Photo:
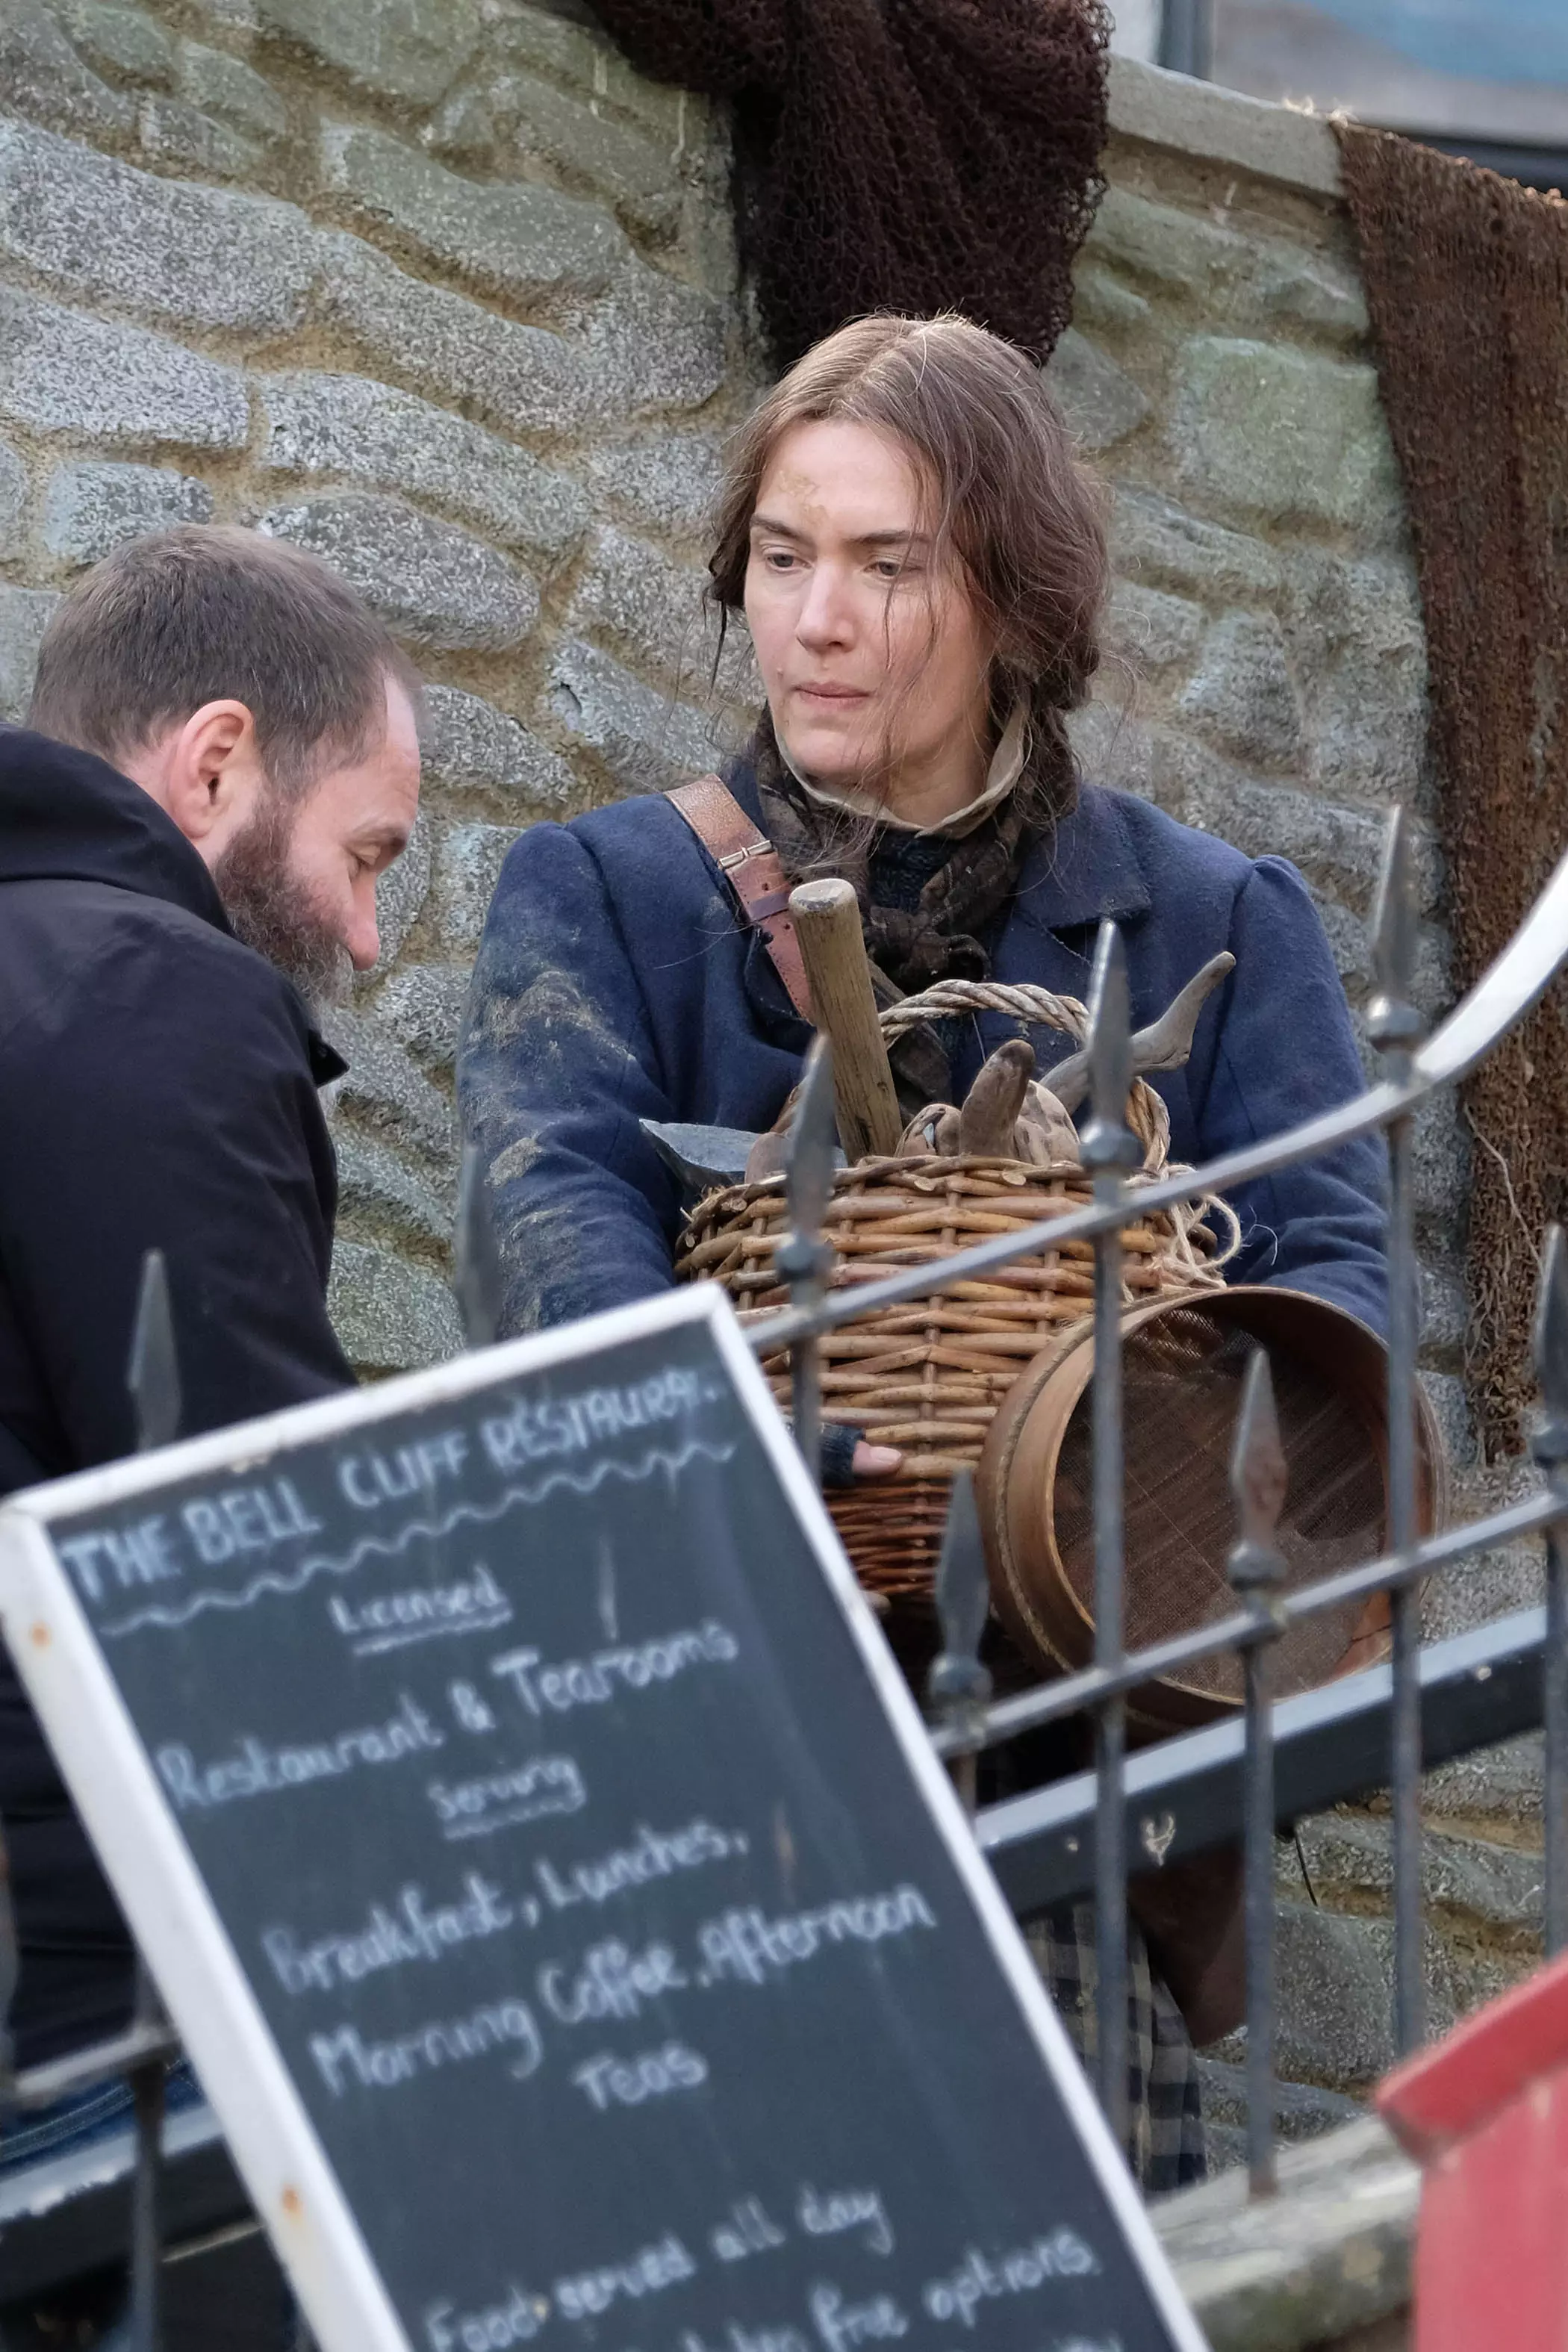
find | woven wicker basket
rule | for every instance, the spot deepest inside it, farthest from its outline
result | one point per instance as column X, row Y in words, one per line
column 928, row 1377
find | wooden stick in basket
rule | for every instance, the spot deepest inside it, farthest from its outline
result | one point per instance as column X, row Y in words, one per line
column 827, row 925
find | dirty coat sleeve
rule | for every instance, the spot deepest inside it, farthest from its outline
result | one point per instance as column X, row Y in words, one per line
column 1284, row 1052
column 558, row 1064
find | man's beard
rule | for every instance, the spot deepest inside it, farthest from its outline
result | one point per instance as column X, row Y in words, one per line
column 273, row 911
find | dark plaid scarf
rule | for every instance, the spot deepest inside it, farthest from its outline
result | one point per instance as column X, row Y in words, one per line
column 909, row 948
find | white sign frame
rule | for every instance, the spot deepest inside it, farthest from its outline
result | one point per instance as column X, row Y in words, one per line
column 133, row 1826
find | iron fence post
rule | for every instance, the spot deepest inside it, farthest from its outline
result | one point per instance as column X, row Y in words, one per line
column 958, row 1685
column 478, row 1282
column 146, row 2249
column 1256, row 1570
column 1396, row 1028
column 803, row 1258
column 1109, row 1147
column 153, row 1377
column 1550, row 1447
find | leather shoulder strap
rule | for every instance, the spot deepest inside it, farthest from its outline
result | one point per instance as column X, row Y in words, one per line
column 751, row 865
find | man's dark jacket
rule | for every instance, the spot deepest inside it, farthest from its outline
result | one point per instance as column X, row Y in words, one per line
column 157, row 1090
column 613, row 983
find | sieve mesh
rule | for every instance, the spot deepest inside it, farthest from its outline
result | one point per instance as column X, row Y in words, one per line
column 1182, row 1391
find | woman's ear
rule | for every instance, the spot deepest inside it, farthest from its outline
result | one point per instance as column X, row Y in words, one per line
column 212, row 775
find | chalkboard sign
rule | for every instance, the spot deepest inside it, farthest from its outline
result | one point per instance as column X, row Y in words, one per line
column 552, row 1880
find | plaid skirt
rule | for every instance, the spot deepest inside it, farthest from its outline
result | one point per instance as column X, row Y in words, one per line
column 1164, row 2120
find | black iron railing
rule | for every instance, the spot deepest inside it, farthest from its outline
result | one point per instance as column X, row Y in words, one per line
column 1240, row 1780
column 1418, row 1706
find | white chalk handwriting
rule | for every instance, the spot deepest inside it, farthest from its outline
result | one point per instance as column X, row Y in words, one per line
column 346, row 2061
column 860, row 2209
column 567, row 1683
column 542, row 1430
column 610, row 2082
column 650, row 2271
column 747, row 2229
column 368, row 1480
column 409, row 1929
column 845, row 2327
column 750, row 2337
column 217, row 1527
column 980, row 2278
column 747, row 1946
column 545, row 1785
column 653, row 1855
column 393, row 1621
column 834, row 2320
column 286, row 1582
column 256, row 1770
column 610, row 1980
column 516, row 2318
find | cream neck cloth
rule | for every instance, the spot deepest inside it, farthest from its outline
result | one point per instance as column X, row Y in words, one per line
column 1006, row 767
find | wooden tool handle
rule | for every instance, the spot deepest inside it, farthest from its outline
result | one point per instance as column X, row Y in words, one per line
column 827, row 925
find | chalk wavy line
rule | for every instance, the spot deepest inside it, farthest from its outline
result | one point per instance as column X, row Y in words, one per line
column 170, row 1618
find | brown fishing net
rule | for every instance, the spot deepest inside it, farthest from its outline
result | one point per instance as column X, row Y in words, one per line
column 911, row 155
column 1466, row 278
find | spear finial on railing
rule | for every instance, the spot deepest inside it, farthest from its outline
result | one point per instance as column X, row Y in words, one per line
column 1109, row 1142
column 1258, row 1477
column 1393, row 1019
column 1552, row 1347
column 1257, row 1569
column 477, row 1280
column 958, row 1685
column 152, row 1373
column 803, row 1258
column 1550, row 1447
column 808, row 1171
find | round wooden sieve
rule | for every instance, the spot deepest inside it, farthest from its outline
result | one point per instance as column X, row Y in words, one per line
column 1185, row 1360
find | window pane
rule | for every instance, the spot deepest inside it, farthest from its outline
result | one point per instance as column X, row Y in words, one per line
column 1486, row 69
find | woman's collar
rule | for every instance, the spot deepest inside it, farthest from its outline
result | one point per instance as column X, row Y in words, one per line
column 1006, row 767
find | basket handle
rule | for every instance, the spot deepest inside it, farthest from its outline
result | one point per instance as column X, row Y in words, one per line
column 1146, row 1112
column 1038, row 1006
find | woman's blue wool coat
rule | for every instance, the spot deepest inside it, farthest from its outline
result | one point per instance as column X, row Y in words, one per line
column 614, row 984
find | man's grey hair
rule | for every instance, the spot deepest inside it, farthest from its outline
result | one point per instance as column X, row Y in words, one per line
column 206, row 613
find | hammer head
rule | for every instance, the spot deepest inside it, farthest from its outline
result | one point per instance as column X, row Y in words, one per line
column 706, row 1158
column 702, row 1158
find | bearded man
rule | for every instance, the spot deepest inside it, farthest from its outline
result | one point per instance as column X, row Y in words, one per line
column 222, row 756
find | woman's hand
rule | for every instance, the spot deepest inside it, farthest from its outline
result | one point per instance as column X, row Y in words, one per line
column 875, row 1461
column 848, row 1457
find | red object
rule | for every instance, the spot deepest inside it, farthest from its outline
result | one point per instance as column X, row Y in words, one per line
column 1486, row 2115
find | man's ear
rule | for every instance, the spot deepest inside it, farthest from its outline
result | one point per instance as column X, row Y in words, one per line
column 211, row 773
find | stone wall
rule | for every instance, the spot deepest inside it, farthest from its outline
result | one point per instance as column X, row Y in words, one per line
column 1267, row 679
column 441, row 289
column 446, row 292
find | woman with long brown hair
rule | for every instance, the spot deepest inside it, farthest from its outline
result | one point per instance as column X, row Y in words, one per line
column 919, row 560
